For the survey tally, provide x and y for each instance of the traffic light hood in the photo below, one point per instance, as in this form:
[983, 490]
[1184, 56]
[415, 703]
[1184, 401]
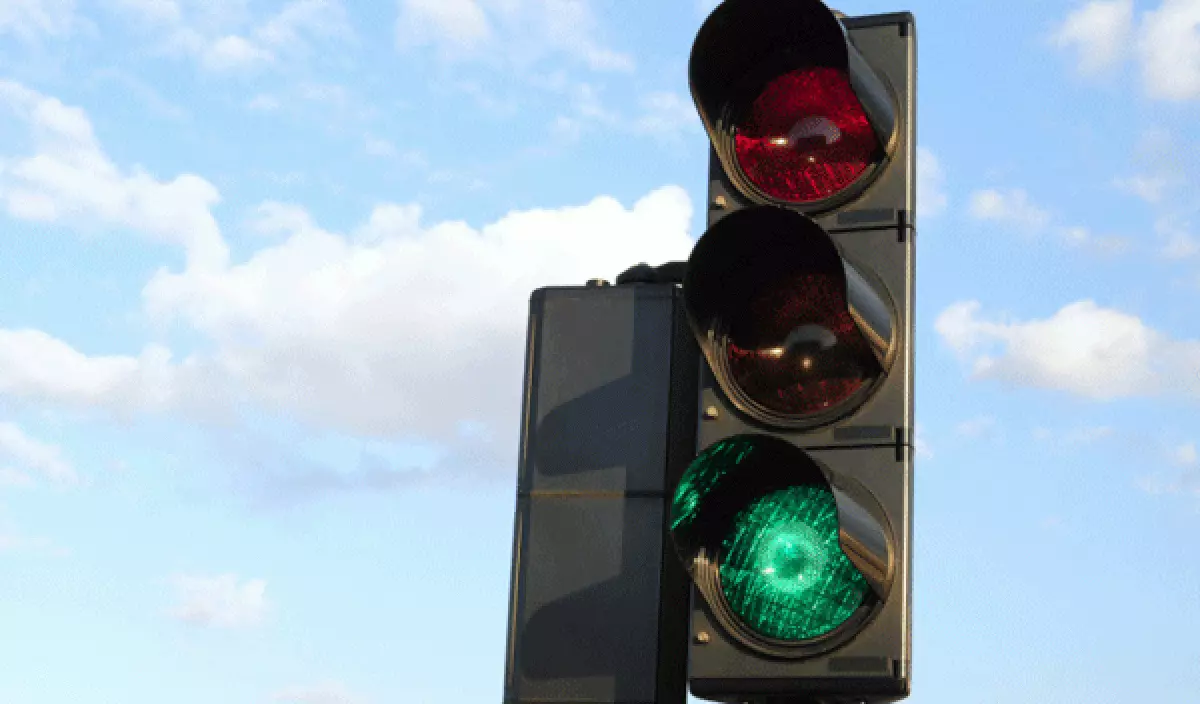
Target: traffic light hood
[789, 561]
[794, 333]
[745, 45]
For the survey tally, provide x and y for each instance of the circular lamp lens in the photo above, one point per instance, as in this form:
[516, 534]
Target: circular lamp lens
[806, 137]
[796, 351]
[783, 572]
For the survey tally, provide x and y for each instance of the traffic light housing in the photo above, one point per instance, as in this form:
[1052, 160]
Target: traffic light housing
[794, 519]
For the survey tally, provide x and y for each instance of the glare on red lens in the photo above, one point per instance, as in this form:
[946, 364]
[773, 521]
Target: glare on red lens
[799, 352]
[806, 137]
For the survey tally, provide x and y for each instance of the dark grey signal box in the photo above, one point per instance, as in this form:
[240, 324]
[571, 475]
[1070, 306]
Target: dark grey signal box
[598, 610]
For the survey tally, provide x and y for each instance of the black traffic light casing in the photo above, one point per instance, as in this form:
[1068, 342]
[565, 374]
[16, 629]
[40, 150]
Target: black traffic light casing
[862, 237]
[598, 601]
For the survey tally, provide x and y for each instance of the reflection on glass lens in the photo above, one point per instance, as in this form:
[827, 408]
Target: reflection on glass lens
[806, 137]
[797, 351]
[783, 571]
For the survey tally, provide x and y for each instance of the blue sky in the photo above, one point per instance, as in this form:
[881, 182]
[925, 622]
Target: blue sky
[264, 269]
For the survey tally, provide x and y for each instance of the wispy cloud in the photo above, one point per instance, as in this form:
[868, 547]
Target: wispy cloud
[1103, 34]
[1077, 436]
[223, 42]
[1148, 187]
[1015, 209]
[1184, 480]
[1099, 34]
[1012, 207]
[921, 446]
[30, 20]
[30, 454]
[1178, 240]
[661, 114]
[14, 540]
[1083, 238]
[222, 601]
[315, 325]
[515, 32]
[1083, 349]
[980, 427]
[931, 184]
[324, 693]
[1169, 49]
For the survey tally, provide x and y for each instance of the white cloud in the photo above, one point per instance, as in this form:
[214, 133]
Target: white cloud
[28, 453]
[332, 327]
[273, 219]
[325, 693]
[1166, 43]
[931, 184]
[10, 477]
[231, 52]
[1162, 164]
[1082, 238]
[921, 445]
[1012, 207]
[30, 19]
[566, 128]
[1180, 242]
[1083, 349]
[301, 20]
[589, 106]
[1169, 48]
[518, 31]
[1087, 435]
[396, 328]
[1099, 32]
[222, 601]
[36, 366]
[983, 426]
[1184, 481]
[144, 92]
[151, 10]
[13, 540]
[662, 114]
[1080, 435]
[1015, 208]
[334, 98]
[263, 103]
[1148, 187]
[386, 220]
[69, 178]
[377, 146]
[220, 37]
[452, 24]
[494, 105]
[570, 26]
[667, 114]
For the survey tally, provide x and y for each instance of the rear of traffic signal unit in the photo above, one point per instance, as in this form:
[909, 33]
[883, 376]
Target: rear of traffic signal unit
[794, 519]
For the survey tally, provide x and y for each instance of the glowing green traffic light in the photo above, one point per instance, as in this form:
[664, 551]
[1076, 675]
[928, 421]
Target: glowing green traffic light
[782, 569]
[761, 512]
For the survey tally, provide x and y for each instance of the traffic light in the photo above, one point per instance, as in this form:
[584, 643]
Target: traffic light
[794, 519]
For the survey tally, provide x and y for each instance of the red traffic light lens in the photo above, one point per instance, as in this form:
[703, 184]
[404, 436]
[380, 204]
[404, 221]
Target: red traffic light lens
[806, 137]
[796, 350]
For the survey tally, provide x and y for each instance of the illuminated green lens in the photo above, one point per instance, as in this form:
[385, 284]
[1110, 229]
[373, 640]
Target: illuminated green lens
[783, 571]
